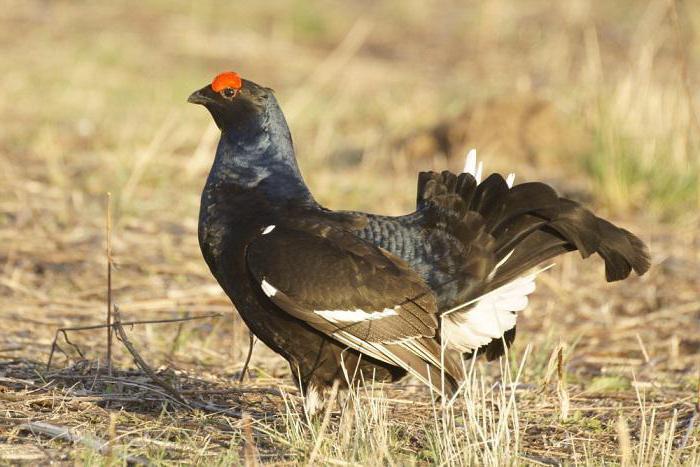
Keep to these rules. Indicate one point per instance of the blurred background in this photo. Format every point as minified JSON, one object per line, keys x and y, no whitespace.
{"x":597,"y":93}
{"x":597,"y":98}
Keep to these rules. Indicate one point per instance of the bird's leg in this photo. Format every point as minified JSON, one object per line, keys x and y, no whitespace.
{"x":314,"y":400}
{"x":320,"y":398}
{"x":247,"y":359}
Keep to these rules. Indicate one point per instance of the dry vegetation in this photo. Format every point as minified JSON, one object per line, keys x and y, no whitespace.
{"x":595,"y":97}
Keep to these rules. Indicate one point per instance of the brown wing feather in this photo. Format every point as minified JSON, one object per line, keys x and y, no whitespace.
{"x":353,"y":292}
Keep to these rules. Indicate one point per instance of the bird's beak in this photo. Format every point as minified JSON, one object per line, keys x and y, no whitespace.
{"x":203,"y":96}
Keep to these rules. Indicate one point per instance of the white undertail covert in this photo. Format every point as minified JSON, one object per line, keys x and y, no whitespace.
{"x":475,"y":324}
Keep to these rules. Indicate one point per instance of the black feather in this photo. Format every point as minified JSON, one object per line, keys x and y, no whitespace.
{"x":528,"y":221}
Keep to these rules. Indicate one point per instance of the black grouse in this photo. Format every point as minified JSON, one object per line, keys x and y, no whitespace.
{"x":351,"y":296}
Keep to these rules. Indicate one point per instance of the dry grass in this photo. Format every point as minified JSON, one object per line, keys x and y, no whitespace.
{"x":596,"y":98}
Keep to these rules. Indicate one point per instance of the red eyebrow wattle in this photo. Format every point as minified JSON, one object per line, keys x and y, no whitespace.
{"x":227,"y":79}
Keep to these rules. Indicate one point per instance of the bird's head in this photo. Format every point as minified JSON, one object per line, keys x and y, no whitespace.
{"x":235,"y":103}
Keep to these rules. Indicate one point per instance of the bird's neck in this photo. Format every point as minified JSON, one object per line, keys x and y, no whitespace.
{"x":261,"y":158}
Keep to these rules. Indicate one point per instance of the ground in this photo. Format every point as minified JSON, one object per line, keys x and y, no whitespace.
{"x":596,"y":98}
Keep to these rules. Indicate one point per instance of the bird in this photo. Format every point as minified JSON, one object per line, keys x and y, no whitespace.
{"x":348,"y":297}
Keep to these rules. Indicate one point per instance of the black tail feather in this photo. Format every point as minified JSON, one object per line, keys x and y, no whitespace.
{"x":497,"y":347}
{"x":530,"y":220}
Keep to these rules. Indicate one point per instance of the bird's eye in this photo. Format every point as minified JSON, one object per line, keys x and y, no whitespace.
{"x":228,"y":93}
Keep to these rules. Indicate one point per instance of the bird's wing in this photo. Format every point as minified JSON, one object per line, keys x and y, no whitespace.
{"x":354,"y":292}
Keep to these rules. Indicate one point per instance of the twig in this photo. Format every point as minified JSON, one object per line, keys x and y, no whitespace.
{"x":141,"y":363}
{"x":24,"y":382}
{"x":65,"y":433}
{"x":539,"y":460}
{"x":247,"y":359}
{"x":236,"y":391}
{"x":109,"y":283}
{"x":54,"y":345}
{"x":63,"y":331}
{"x":211,"y":408}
